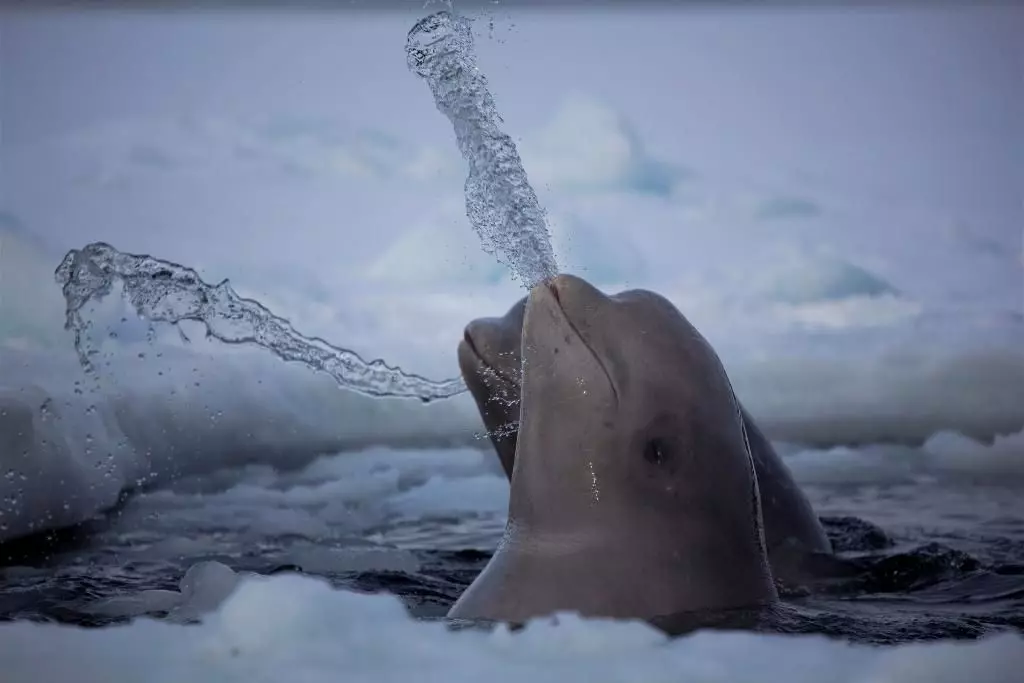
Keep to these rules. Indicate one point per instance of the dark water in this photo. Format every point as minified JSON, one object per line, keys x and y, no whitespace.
{"x":934,"y":562}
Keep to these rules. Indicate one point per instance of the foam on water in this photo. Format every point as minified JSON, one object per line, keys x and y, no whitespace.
{"x":272,"y":628}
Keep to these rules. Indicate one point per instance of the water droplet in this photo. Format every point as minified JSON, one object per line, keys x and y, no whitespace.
{"x":166,"y":292}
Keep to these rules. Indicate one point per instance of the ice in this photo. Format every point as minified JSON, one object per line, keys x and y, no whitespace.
{"x":68,"y":451}
{"x":204,"y":588}
{"x":299,"y":628}
{"x":332,"y":515}
{"x":60,"y":462}
{"x":958,"y":454}
{"x":946,"y":455}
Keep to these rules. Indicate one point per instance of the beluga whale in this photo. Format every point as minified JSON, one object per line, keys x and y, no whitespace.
{"x":490,"y":360}
{"x":633,"y":488}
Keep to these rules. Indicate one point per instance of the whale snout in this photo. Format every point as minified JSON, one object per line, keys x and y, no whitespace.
{"x":477,"y":333}
{"x":492,"y":345}
{"x":567,"y":321}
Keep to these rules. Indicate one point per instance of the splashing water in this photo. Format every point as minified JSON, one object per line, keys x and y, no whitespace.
{"x":162,"y":291}
{"x":500,"y":204}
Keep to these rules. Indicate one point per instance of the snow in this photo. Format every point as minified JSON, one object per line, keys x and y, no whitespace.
{"x":289,"y":627}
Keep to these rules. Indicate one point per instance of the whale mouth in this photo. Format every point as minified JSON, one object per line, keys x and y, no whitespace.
{"x":467,"y":338}
{"x":553,"y":289}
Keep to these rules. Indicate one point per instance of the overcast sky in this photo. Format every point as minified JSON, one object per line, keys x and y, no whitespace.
{"x":857,"y":165}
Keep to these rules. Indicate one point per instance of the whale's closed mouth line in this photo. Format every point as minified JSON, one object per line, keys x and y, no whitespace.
{"x":575,"y":330}
{"x":466,"y":337}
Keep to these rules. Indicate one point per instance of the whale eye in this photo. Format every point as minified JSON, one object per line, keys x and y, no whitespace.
{"x":656,"y":451}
